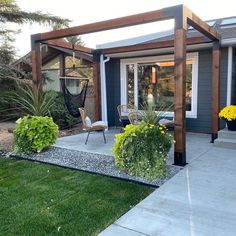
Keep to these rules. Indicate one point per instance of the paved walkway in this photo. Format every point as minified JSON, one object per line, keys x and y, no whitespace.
{"x":199,"y":201}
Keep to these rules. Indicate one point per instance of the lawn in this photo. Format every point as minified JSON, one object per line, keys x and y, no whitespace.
{"x":40,"y":199}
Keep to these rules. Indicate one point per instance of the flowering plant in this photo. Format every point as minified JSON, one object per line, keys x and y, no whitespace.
{"x":142,"y":150}
{"x":228,"y":113}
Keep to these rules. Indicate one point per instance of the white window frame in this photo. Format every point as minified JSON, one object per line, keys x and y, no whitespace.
{"x":136,"y":61}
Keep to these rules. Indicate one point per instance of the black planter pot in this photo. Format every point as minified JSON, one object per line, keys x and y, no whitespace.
{"x":231,"y":125}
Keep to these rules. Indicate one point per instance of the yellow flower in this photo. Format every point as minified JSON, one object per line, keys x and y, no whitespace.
{"x":163,"y":132}
{"x":174,"y":141}
{"x":228,"y":113}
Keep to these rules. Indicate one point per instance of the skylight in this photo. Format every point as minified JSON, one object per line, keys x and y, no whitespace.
{"x":228,"y":21}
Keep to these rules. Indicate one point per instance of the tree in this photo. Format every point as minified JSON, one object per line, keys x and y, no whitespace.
{"x":11,"y":13}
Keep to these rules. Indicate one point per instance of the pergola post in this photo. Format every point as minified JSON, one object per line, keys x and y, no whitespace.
{"x":97,"y":87}
{"x":215,"y":90}
{"x":180,"y":91}
{"x":36,"y":66}
{"x":62,"y":71}
{"x":62,"y":64}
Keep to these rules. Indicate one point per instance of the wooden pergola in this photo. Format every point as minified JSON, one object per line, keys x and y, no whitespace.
{"x":182,"y":17}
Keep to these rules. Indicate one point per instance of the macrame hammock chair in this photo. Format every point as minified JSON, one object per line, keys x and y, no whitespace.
{"x":74,"y":101}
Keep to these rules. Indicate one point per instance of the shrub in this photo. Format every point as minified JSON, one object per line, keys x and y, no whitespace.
{"x":59,"y":112}
{"x":142,"y":150}
{"x":34,"y":133}
{"x":27,"y":102}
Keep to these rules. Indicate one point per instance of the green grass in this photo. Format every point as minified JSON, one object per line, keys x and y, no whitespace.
{"x":39,"y":199}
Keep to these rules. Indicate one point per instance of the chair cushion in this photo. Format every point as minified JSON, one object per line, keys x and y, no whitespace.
{"x":87,"y":121}
{"x":99,"y":123}
{"x":165,"y":121}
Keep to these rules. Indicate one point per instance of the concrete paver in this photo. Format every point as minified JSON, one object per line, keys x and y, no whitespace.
{"x":198,"y":201}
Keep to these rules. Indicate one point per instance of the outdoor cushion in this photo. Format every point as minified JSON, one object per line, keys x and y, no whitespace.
{"x":99,"y":123}
{"x":87,"y":121}
{"x":165,"y":121}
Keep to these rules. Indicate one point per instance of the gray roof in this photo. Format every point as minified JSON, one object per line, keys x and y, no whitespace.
{"x":227,"y":31}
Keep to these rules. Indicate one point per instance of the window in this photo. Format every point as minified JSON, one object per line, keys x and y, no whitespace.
{"x":151,"y":80}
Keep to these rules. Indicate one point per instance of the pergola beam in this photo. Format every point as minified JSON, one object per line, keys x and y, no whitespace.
{"x":202,"y":26}
{"x":142,"y":18}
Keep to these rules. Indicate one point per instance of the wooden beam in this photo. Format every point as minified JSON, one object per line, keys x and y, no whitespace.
{"x":36,"y":69}
{"x":179,"y":98}
{"x":62,"y":66}
{"x":62,"y":44}
{"x":215,"y":89}
{"x":154,"y":45}
{"x":142,"y":18}
{"x":97,"y":86}
{"x":200,"y":25}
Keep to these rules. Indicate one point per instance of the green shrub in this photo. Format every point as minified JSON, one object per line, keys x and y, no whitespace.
{"x":34,"y":133}
{"x":25,"y":101}
{"x":59,"y":112}
{"x":142,"y":150}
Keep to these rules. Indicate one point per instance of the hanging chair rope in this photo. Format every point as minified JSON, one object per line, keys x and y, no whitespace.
{"x":74,"y":101}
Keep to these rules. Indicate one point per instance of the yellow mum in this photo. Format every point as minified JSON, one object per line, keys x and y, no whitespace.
{"x":228,"y":113}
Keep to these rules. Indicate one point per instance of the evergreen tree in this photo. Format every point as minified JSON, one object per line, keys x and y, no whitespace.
{"x":10,"y":12}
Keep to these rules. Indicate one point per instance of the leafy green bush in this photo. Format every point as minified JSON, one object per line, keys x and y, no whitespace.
{"x":142,"y":150}
{"x":59,"y":112}
{"x":34,"y":133}
{"x":23,"y":101}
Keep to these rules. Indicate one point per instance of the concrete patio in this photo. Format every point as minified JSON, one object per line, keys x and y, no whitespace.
{"x":197,"y":144}
{"x":198,"y":201}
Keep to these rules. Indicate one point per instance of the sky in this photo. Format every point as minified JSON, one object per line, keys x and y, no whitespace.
{"x":82,"y":12}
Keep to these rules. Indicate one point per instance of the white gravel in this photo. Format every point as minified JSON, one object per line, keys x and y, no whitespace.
{"x":95,"y":163}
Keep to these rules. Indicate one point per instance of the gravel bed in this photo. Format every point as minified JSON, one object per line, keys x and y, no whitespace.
{"x":95,"y":163}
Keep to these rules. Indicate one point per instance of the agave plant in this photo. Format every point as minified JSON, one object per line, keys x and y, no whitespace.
{"x":27,"y":102}
{"x":150,"y":116}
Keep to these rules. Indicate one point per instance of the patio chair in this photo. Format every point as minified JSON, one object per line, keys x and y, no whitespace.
{"x":88,"y":126}
{"x":135,"y":117}
{"x":123,"y":111}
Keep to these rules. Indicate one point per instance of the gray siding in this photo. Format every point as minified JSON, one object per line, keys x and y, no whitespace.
{"x":203,"y":121}
{"x":113,"y":91}
{"x":233,"y":98}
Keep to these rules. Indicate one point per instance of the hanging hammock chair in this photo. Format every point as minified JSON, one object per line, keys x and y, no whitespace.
{"x":76,"y":100}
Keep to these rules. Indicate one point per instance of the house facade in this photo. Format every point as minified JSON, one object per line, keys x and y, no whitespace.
{"x":143,"y":77}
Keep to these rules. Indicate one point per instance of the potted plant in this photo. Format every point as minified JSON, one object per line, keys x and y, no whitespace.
{"x":228,"y":114}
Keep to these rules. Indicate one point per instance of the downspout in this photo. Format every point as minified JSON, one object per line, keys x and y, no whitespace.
{"x":103,"y":88}
{"x":229,"y":75}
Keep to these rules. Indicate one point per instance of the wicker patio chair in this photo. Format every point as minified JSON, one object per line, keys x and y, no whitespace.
{"x":88,"y":126}
{"x":135,"y":117}
{"x":123,"y":111}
